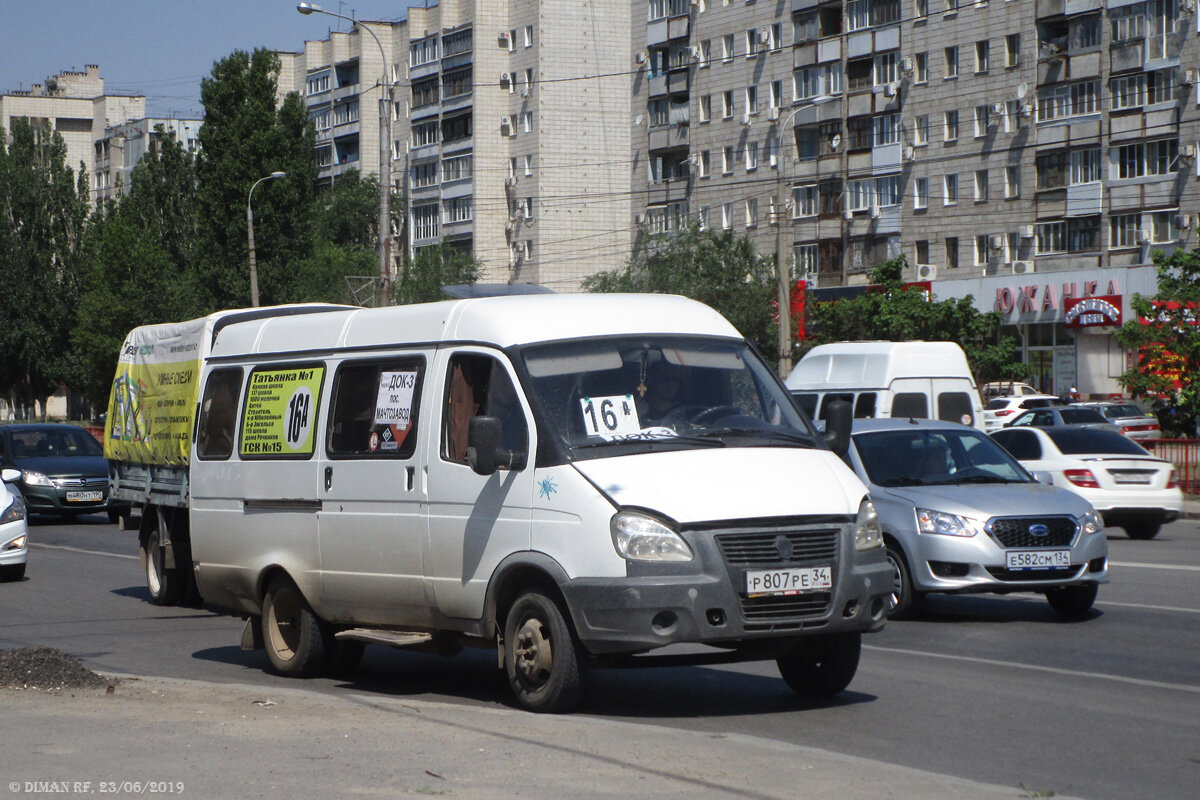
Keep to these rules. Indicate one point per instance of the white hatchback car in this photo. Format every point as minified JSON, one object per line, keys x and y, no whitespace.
{"x":14,"y":535}
{"x":1131,"y":488}
{"x":999,"y":411}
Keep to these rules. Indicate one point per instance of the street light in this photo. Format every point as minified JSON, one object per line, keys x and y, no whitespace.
{"x":250,"y":235}
{"x":782,"y":273}
{"x":385,"y":154}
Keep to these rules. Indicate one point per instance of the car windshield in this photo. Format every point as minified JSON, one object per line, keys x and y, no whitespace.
{"x":1121,"y":411}
{"x":926,"y":456}
{"x":1074,"y":442}
{"x":1076,"y":416}
{"x":46,"y":442}
{"x":660,"y":392}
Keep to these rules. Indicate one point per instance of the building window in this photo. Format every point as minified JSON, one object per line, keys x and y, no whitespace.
{"x":922,"y":251}
{"x":1134,"y":91}
{"x":1085,"y":166}
{"x":704,"y":166}
{"x":425,"y":221}
{"x":921,"y":9}
{"x":950,"y":126}
{"x":983,"y":119}
{"x":1012,"y":50}
{"x":752,"y":212}
{"x":529,"y":36}
{"x":921,"y":130}
{"x":727,"y":159}
{"x":858,"y":14}
{"x":1012,"y":182}
{"x":950,"y":189}
{"x":776,"y":94}
{"x":424,"y":93}
{"x":951,"y":62}
{"x":460,"y":42}
{"x":805,"y":257}
{"x":727,"y":104}
{"x":424,"y":174}
{"x":727,"y":47}
{"x":528,"y":165}
{"x":983,"y":55}
{"x":1164,"y":227}
{"x":527,"y":121}
{"x":751,"y":156}
{"x":981,"y":186}
{"x":726,"y":216}
{"x":981,"y":249}
{"x":457,"y":209}
{"x":1068,"y":100}
{"x":750,"y":96}
{"x":1147,"y":158}
{"x":316,"y":84}
{"x":706,"y":108}
{"x":804,"y":201}
{"x":922,"y":67}
{"x":1074,"y":235}
{"x":423,"y":52}
{"x":921,"y":193}
{"x":1123,"y":230}
{"x":705,"y":53}
{"x":1012,"y":115}
{"x":456,"y":83}
{"x":887,"y":68}
{"x":951,"y":252}
{"x":886,"y":129}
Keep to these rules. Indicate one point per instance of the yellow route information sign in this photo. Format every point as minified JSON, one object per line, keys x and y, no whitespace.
{"x":279,"y":418}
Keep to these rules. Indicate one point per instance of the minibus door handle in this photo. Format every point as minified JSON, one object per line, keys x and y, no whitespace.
{"x":328,"y":478}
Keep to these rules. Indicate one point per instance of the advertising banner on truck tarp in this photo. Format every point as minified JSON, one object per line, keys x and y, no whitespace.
{"x":153,"y":395}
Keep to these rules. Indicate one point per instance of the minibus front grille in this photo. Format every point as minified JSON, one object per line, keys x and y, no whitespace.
{"x":780,"y":547}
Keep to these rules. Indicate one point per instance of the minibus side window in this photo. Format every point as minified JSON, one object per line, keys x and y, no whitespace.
{"x":480,"y":386}
{"x":864,"y":407}
{"x":374,"y":409}
{"x":218,"y":413}
{"x":955,"y":407}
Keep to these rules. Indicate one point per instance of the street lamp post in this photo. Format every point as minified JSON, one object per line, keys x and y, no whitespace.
{"x":385,"y":154}
{"x":782,"y":273}
{"x":250,"y":235}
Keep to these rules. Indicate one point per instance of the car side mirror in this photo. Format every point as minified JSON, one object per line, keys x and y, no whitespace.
{"x":1041,"y":476}
{"x":838,"y":419}
{"x":11,"y":475}
{"x":485,"y":447}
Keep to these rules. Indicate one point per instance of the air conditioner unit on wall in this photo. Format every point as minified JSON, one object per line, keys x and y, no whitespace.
{"x":504,"y":40}
{"x":510,"y":181}
{"x":1026,"y":231}
{"x":764,"y":36}
{"x":926,"y":272}
{"x":996,"y":241}
{"x":506,"y":126}
{"x":1022,"y":267}
{"x":639,"y":57}
{"x":773,"y":113}
{"x":889,"y":90}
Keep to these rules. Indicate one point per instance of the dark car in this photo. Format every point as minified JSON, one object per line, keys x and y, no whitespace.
{"x":63,"y":469}
{"x":1054,"y":416}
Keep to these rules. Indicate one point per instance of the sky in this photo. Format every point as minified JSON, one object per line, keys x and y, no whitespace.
{"x":159,"y":48}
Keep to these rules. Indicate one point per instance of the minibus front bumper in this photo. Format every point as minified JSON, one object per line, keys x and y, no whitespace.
{"x":705,"y":602}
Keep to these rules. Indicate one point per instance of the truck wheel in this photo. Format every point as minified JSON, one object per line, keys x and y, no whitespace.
{"x":1073,"y":602}
{"x":823,"y":665}
{"x":541,"y":656}
{"x":291,"y":632}
{"x":1142,"y":530}
{"x":905,"y":600}
{"x":165,"y":585}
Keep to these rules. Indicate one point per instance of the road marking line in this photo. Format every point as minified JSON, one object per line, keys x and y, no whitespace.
{"x":1180,"y":567}
{"x":39,"y":546}
{"x":1149,"y":607}
{"x":1036,"y":668}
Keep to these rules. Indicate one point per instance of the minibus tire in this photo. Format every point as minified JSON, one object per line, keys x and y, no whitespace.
{"x":823,"y":665}
{"x":541,"y":657}
{"x":164,"y":585}
{"x":292,"y":634}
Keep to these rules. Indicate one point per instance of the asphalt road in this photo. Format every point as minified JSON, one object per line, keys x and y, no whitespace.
{"x":992,"y":689}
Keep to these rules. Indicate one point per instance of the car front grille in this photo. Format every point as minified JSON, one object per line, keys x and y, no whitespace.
{"x":1028,"y":575}
{"x":788,"y":544}
{"x":1016,"y":531}
{"x":81,"y":483}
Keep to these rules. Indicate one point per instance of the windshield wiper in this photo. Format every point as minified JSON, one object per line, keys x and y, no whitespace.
{"x":902,"y":482}
{"x":759,"y":433}
{"x":984,"y":479}
{"x":685,"y":439}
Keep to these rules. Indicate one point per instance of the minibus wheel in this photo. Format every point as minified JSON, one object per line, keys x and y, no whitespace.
{"x":541,"y":657}
{"x":165,"y":585}
{"x":821,"y":666}
{"x":291,"y":632}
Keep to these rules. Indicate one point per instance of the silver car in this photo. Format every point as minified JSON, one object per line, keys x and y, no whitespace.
{"x":959,"y":514}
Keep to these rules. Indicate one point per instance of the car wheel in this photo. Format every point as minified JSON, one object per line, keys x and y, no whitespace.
{"x":164,"y":585}
{"x":1142,"y":530}
{"x":904,"y":601}
{"x":1073,"y":602}
{"x":12,"y":572}
{"x":291,"y":632}
{"x":823,"y":665}
{"x":541,"y":656}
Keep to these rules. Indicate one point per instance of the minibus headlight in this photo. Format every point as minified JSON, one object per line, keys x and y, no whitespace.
{"x":14,"y":512}
{"x":33,"y":478}
{"x":641,"y":538}
{"x":868,"y":533}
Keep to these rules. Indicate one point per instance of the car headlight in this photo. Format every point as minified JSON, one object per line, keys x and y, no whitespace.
{"x":14,"y":512}
{"x":868,"y":533}
{"x":1090,"y":523}
{"x":16,"y":544}
{"x":32,"y":478}
{"x":945,"y":524}
{"x":641,"y":538}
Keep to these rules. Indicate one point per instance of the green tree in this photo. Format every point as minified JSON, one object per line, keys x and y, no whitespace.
{"x":1165,"y":335}
{"x":891,"y":312}
{"x":141,"y":254}
{"x":714,"y":267}
{"x":43,"y":214}
{"x":431,"y":268}
{"x":246,"y":137}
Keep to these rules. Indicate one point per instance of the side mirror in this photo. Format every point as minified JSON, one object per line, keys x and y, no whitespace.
{"x":11,"y":475}
{"x":838,"y":419}
{"x":1042,"y":476}
{"x":485,"y":447}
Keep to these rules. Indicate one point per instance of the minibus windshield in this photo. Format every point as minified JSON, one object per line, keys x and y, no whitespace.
{"x":662,"y":391}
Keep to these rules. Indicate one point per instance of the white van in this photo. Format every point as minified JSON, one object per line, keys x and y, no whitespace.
{"x":574,"y":479}
{"x":921,"y":380}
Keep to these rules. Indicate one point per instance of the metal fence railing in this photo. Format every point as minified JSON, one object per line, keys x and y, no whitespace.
{"x":1184,"y":454}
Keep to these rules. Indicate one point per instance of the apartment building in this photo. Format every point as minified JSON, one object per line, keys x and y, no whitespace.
{"x":1030,"y":153}
{"x":510,"y":132}
{"x":121,"y":147}
{"x":76,"y":105}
